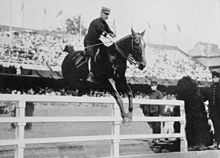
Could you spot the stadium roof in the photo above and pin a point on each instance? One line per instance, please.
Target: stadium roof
(202, 49)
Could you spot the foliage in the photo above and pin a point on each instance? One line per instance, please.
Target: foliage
(197, 128)
(75, 26)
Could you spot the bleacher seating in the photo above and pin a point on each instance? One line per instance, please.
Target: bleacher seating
(38, 51)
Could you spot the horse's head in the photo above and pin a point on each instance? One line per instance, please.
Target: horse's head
(138, 48)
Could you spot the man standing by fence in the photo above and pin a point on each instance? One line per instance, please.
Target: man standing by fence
(154, 110)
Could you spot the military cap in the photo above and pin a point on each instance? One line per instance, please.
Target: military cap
(106, 10)
(153, 83)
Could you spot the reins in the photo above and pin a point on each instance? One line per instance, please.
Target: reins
(122, 54)
(93, 45)
(121, 51)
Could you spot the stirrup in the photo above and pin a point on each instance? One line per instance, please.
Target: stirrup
(90, 77)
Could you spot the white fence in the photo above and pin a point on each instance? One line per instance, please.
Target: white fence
(20, 141)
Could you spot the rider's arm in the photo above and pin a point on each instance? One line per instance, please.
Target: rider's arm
(108, 30)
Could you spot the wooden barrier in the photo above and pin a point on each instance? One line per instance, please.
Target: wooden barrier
(115, 137)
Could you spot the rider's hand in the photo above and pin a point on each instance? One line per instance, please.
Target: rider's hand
(111, 38)
(112, 35)
(104, 33)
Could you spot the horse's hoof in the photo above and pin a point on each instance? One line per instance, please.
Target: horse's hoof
(129, 116)
(126, 121)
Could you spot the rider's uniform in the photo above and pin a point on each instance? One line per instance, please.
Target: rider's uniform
(97, 28)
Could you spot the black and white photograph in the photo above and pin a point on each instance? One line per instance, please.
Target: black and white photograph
(109, 78)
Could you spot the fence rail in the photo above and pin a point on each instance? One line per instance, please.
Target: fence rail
(115, 137)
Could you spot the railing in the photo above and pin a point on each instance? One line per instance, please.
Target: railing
(20, 141)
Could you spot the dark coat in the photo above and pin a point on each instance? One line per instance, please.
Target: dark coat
(96, 28)
(214, 109)
(153, 110)
(156, 108)
(214, 100)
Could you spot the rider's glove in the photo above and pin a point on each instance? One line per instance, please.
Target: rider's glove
(111, 38)
(112, 35)
(104, 34)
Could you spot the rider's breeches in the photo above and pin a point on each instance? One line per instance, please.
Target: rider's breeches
(90, 52)
(91, 47)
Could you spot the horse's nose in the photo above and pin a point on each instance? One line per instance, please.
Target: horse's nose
(141, 66)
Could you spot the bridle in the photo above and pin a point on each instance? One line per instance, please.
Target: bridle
(122, 52)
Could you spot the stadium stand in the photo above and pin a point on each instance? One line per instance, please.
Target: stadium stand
(30, 50)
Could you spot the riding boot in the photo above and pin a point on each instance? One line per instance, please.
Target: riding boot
(90, 77)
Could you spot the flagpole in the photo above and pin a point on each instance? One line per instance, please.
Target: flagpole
(178, 35)
(177, 40)
(10, 26)
(44, 21)
(80, 25)
(163, 36)
(44, 16)
(23, 14)
(148, 33)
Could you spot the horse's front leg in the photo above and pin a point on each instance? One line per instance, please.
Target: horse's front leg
(130, 99)
(117, 97)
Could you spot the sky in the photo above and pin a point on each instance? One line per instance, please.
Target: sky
(198, 20)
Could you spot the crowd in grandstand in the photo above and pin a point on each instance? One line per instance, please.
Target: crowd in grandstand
(170, 64)
(29, 47)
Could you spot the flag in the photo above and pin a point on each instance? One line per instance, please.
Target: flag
(178, 28)
(165, 28)
(22, 6)
(59, 13)
(148, 25)
(45, 11)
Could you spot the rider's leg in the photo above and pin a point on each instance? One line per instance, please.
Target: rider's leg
(90, 76)
(89, 64)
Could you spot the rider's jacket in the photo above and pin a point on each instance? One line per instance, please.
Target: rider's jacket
(97, 28)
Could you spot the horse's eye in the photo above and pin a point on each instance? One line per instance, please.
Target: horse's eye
(137, 40)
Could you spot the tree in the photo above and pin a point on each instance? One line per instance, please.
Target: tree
(197, 128)
(75, 26)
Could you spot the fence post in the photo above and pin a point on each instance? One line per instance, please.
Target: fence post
(116, 132)
(183, 141)
(19, 130)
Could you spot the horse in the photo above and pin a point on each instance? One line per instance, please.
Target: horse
(109, 67)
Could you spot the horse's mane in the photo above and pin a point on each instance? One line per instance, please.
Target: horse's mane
(123, 38)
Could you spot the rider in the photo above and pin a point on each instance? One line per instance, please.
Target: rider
(97, 28)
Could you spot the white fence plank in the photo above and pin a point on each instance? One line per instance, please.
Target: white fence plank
(115, 137)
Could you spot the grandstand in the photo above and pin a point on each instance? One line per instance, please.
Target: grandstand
(41, 55)
(208, 54)
(170, 63)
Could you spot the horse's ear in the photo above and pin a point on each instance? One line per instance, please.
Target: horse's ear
(132, 32)
(66, 48)
(142, 33)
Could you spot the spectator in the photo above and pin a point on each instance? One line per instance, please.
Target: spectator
(154, 110)
(214, 107)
